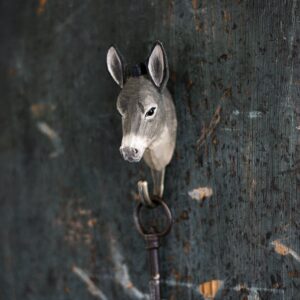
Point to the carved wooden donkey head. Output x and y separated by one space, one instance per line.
147 110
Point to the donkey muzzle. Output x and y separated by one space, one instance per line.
131 154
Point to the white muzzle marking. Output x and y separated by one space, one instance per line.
133 147
134 141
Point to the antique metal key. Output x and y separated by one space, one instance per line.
152 241
152 237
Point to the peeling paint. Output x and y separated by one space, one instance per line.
92 288
201 193
210 288
54 138
284 250
122 274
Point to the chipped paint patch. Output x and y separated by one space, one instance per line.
201 193
53 136
38 110
254 114
77 222
41 7
209 289
298 127
92 288
236 112
122 274
294 274
284 250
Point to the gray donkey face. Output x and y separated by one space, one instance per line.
140 101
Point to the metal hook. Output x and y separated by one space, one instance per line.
158 187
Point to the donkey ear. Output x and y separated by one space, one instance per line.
158 65
115 65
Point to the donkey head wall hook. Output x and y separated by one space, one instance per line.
148 114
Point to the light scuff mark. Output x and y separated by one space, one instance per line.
210 289
254 114
284 250
92 288
251 114
41 7
172 282
236 112
254 291
122 276
201 193
53 136
70 19
207 131
298 127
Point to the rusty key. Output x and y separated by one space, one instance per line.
152 244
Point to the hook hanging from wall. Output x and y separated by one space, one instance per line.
149 131
148 114
158 187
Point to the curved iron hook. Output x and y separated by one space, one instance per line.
158 188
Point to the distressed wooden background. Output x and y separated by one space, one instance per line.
66 195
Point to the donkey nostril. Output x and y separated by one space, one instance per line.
129 153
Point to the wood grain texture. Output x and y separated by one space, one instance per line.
66 196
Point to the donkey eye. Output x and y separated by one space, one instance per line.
150 112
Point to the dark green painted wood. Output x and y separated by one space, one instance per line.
75 209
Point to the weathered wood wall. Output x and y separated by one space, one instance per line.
66 194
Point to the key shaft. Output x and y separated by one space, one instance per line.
152 246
